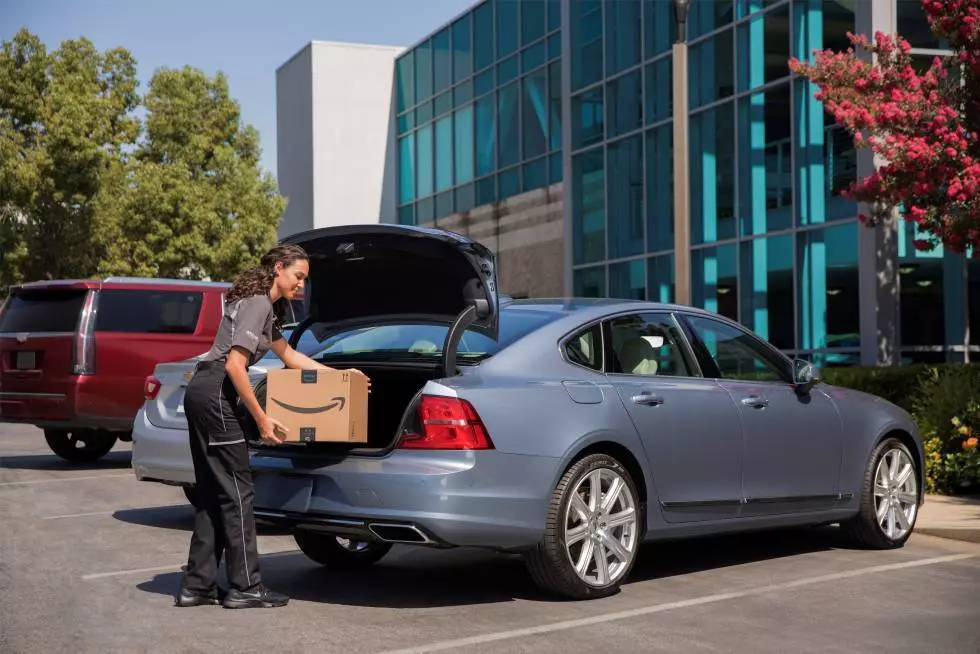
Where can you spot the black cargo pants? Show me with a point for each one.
(223, 521)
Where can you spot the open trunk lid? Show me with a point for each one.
(364, 275)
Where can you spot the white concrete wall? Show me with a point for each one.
(347, 147)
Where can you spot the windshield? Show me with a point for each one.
(417, 341)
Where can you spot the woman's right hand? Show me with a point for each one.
(270, 430)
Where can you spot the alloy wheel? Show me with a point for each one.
(896, 494)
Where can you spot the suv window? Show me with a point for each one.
(42, 311)
(148, 312)
(738, 354)
(585, 348)
(647, 344)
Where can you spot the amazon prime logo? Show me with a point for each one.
(335, 402)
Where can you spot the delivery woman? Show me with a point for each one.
(215, 401)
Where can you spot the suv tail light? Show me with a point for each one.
(151, 387)
(447, 423)
(83, 349)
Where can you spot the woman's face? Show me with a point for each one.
(290, 279)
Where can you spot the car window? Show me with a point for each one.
(585, 348)
(42, 311)
(148, 312)
(648, 345)
(738, 354)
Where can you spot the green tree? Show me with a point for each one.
(196, 204)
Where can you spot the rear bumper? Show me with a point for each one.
(471, 499)
(161, 455)
(54, 411)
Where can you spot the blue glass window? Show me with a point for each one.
(423, 71)
(711, 70)
(914, 27)
(423, 113)
(444, 204)
(424, 183)
(586, 43)
(765, 168)
(767, 299)
(554, 46)
(554, 104)
(406, 81)
(587, 118)
(555, 168)
(463, 94)
(406, 215)
(624, 196)
(486, 190)
(508, 143)
(659, 90)
(507, 17)
(508, 69)
(406, 122)
(827, 287)
(534, 114)
(483, 83)
(590, 282)
(763, 49)
(464, 144)
(627, 280)
(714, 279)
(660, 278)
(444, 153)
(425, 211)
(465, 197)
(623, 36)
(483, 36)
(624, 110)
(442, 62)
(534, 56)
(486, 136)
(708, 15)
(509, 183)
(462, 49)
(660, 188)
(536, 174)
(406, 169)
(659, 27)
(713, 174)
(443, 103)
(532, 20)
(747, 7)
(554, 14)
(589, 207)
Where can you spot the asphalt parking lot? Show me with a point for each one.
(90, 559)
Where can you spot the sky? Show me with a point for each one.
(245, 39)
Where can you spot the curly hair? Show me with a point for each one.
(258, 279)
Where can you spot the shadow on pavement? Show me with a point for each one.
(178, 517)
(417, 578)
(111, 461)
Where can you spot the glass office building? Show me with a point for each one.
(519, 94)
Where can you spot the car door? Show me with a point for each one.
(792, 442)
(688, 425)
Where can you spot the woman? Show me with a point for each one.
(214, 402)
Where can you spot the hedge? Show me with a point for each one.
(944, 400)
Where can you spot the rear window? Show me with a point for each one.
(427, 340)
(42, 311)
(148, 312)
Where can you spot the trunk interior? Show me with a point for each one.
(393, 387)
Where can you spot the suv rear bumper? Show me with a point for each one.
(54, 411)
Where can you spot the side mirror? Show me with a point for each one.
(805, 376)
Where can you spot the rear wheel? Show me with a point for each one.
(889, 498)
(337, 550)
(80, 445)
(593, 531)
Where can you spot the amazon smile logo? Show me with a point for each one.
(335, 402)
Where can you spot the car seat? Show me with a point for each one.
(638, 357)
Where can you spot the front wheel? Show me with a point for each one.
(889, 498)
(592, 533)
(80, 445)
(337, 550)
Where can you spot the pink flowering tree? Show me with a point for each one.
(923, 127)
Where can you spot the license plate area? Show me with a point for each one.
(25, 360)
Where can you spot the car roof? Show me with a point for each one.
(597, 306)
(120, 282)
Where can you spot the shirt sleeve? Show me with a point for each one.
(249, 321)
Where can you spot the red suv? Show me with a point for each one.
(74, 354)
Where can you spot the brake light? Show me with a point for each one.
(448, 423)
(151, 387)
(83, 348)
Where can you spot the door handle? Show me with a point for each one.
(647, 399)
(755, 402)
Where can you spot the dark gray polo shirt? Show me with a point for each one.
(248, 323)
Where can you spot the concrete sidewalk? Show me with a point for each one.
(955, 517)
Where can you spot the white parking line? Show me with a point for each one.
(658, 608)
(60, 479)
(79, 515)
(119, 573)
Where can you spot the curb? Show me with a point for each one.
(951, 533)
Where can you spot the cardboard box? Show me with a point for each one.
(319, 405)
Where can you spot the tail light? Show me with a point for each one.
(447, 423)
(83, 349)
(151, 387)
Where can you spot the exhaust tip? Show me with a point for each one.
(399, 533)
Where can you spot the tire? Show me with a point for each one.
(190, 492)
(550, 563)
(80, 445)
(865, 529)
(335, 550)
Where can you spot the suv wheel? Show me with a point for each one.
(337, 550)
(592, 533)
(80, 445)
